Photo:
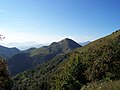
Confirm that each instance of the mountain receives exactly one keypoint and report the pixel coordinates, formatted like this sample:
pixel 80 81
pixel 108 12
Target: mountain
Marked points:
pixel 97 61
pixel 84 43
pixel 48 52
pixel 8 52
pixel 34 57
pixel 61 46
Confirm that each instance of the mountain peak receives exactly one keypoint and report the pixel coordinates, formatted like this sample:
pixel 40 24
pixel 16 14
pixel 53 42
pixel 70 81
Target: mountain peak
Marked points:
pixel 54 43
pixel 57 47
pixel 69 44
pixel 67 39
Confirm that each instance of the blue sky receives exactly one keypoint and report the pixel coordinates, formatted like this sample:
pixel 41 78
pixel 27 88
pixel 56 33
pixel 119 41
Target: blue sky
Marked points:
pixel 45 21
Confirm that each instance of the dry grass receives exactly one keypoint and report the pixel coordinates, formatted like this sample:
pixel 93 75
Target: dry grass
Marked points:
pixel 106 85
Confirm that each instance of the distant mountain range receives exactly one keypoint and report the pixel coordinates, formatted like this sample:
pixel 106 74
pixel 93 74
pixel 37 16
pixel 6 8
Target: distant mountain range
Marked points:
pixel 24 45
pixel 30 58
pixel 32 44
pixel 84 43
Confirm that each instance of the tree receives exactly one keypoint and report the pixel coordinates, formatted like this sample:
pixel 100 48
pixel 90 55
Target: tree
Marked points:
pixel 5 80
pixel 2 37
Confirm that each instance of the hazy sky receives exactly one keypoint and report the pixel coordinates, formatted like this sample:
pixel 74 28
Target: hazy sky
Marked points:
pixel 45 21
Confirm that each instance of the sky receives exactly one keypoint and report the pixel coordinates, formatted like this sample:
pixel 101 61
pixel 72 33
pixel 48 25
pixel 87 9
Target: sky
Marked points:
pixel 46 21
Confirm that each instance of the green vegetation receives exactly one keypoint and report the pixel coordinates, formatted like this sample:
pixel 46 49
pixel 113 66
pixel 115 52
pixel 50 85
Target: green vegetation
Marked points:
pixel 38 77
pixel 5 81
pixel 99 60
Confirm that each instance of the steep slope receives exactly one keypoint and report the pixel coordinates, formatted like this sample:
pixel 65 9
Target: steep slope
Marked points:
pixel 19 63
pixel 34 57
pixel 99 60
pixel 8 52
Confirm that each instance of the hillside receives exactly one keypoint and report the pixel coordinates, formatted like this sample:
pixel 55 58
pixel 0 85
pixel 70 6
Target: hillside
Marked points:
pixel 31 58
pixel 19 63
pixel 8 52
pixel 99 60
